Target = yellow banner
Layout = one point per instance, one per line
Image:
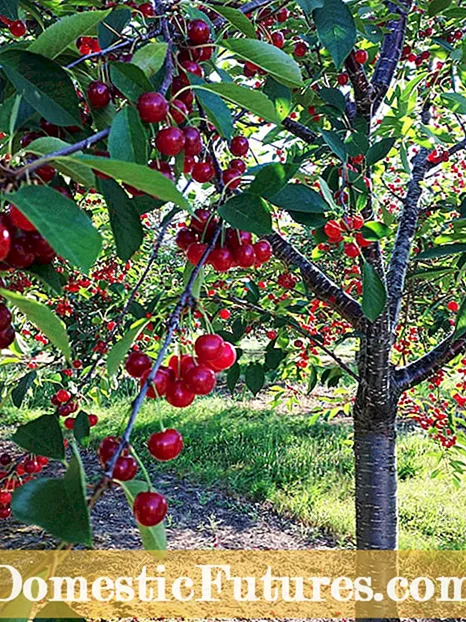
(232, 584)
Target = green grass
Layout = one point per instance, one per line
(301, 469)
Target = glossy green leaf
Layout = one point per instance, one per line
(128, 139)
(45, 320)
(248, 212)
(153, 538)
(299, 198)
(42, 437)
(308, 6)
(150, 58)
(336, 29)
(266, 56)
(9, 8)
(233, 376)
(374, 230)
(237, 19)
(120, 348)
(254, 101)
(65, 227)
(43, 84)
(82, 428)
(255, 377)
(124, 219)
(57, 505)
(334, 97)
(335, 143)
(456, 101)
(280, 95)
(271, 179)
(441, 251)
(112, 25)
(24, 384)
(48, 144)
(437, 6)
(130, 80)
(64, 32)
(379, 150)
(141, 177)
(215, 108)
(374, 294)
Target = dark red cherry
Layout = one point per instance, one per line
(170, 141)
(165, 445)
(239, 146)
(7, 336)
(98, 94)
(185, 237)
(5, 317)
(193, 141)
(200, 380)
(150, 508)
(137, 363)
(178, 395)
(125, 469)
(198, 31)
(208, 347)
(152, 107)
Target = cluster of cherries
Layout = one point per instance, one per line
(66, 405)
(16, 26)
(14, 474)
(234, 248)
(185, 376)
(337, 231)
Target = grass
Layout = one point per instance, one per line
(301, 469)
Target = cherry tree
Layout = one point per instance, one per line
(310, 149)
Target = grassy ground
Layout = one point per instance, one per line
(303, 469)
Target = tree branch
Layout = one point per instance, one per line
(415, 373)
(362, 87)
(390, 52)
(323, 287)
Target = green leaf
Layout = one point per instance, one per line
(441, 251)
(237, 19)
(460, 326)
(217, 111)
(150, 58)
(130, 80)
(43, 84)
(335, 143)
(313, 379)
(57, 612)
(280, 95)
(45, 320)
(457, 102)
(128, 138)
(274, 357)
(254, 101)
(336, 29)
(9, 8)
(308, 6)
(437, 6)
(271, 179)
(255, 377)
(379, 150)
(232, 377)
(374, 294)
(334, 97)
(374, 231)
(153, 538)
(49, 144)
(248, 212)
(24, 384)
(121, 347)
(273, 60)
(116, 22)
(300, 198)
(42, 437)
(141, 177)
(124, 219)
(82, 428)
(64, 32)
(49, 276)
(65, 227)
(57, 505)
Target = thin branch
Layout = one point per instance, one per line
(362, 87)
(323, 287)
(418, 371)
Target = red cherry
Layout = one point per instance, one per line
(150, 508)
(5, 498)
(208, 347)
(231, 178)
(224, 314)
(5, 459)
(125, 469)
(178, 395)
(5, 512)
(137, 363)
(20, 255)
(93, 420)
(170, 141)
(226, 359)
(282, 15)
(235, 238)
(351, 250)
(356, 222)
(152, 107)
(42, 250)
(205, 53)
(263, 250)
(31, 466)
(185, 237)
(165, 445)
(193, 67)
(332, 229)
(98, 94)
(42, 460)
(361, 240)
(179, 366)
(147, 9)
(5, 317)
(453, 306)
(221, 259)
(278, 39)
(238, 164)
(200, 380)
(239, 146)
(5, 242)
(17, 28)
(188, 54)
(46, 173)
(198, 31)
(107, 448)
(162, 167)
(300, 49)
(200, 219)
(159, 386)
(343, 79)
(361, 56)
(193, 141)
(245, 256)
(188, 164)
(63, 396)
(178, 111)
(7, 336)
(69, 423)
(203, 172)
(195, 253)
